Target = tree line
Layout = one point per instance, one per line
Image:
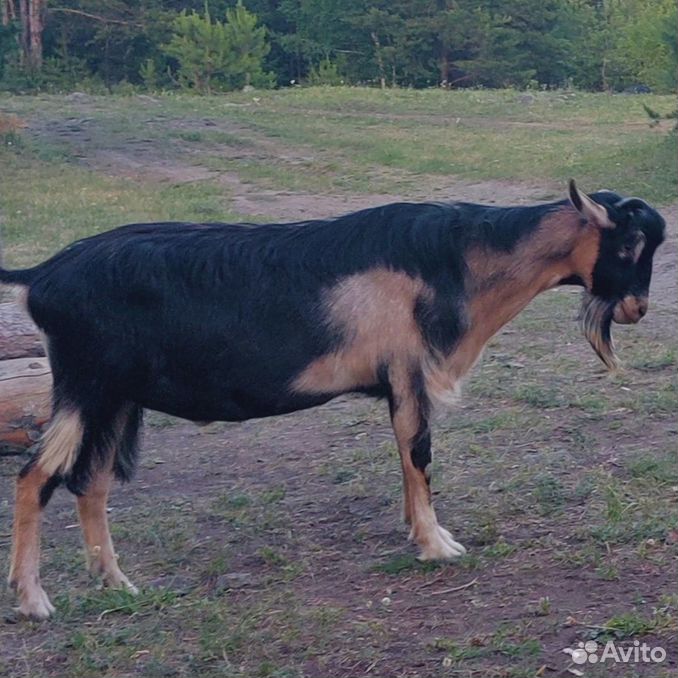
(221, 45)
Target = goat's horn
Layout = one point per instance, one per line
(631, 204)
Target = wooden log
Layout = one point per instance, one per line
(19, 337)
(25, 387)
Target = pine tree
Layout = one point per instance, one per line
(246, 48)
(212, 54)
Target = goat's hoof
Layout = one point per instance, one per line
(130, 588)
(439, 545)
(34, 604)
(118, 580)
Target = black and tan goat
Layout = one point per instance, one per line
(230, 322)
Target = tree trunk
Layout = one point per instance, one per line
(24, 37)
(444, 68)
(36, 14)
(25, 380)
(19, 337)
(8, 12)
(603, 75)
(380, 61)
(25, 387)
(31, 16)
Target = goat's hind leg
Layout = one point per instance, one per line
(114, 440)
(92, 510)
(83, 448)
(34, 487)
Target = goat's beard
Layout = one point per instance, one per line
(596, 320)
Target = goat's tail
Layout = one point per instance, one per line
(19, 276)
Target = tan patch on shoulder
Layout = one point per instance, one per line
(374, 312)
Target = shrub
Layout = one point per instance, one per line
(215, 55)
(326, 73)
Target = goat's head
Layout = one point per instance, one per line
(619, 283)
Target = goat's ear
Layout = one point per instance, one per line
(589, 209)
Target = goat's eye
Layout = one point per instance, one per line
(633, 247)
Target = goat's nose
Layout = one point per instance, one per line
(642, 308)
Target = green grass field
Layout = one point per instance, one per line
(274, 548)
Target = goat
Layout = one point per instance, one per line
(231, 322)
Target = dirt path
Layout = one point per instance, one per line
(146, 158)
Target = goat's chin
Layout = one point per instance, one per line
(596, 319)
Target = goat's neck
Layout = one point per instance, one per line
(500, 285)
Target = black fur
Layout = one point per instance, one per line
(48, 489)
(615, 276)
(442, 321)
(127, 451)
(421, 444)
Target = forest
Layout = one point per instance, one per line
(220, 45)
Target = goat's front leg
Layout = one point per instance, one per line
(409, 414)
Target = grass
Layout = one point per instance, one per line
(633, 625)
(274, 548)
(49, 203)
(505, 642)
(602, 139)
(662, 470)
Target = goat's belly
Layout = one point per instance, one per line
(204, 377)
(228, 404)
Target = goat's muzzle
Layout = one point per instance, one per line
(596, 319)
(630, 310)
